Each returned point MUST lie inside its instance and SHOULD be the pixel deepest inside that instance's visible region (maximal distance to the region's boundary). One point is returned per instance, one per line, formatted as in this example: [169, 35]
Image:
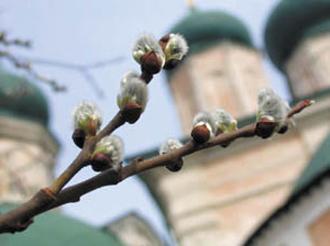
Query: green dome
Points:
[20, 98]
[291, 22]
[54, 229]
[204, 29]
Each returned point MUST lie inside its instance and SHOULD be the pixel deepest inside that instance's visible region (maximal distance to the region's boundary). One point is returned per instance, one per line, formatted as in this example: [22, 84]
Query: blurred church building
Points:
[255, 192]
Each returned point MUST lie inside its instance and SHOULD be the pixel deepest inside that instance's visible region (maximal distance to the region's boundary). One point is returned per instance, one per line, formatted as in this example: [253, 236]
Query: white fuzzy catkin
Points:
[132, 90]
[176, 47]
[112, 146]
[128, 76]
[224, 121]
[85, 112]
[272, 105]
[170, 145]
[147, 43]
[205, 118]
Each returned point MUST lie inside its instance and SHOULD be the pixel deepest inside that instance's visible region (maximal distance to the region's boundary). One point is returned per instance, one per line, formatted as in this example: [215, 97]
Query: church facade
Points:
[222, 196]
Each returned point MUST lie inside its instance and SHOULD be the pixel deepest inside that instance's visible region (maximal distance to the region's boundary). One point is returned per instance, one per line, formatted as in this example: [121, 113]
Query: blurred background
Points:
[100, 34]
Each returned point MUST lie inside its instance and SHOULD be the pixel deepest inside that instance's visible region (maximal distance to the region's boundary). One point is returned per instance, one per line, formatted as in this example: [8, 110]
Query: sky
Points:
[85, 32]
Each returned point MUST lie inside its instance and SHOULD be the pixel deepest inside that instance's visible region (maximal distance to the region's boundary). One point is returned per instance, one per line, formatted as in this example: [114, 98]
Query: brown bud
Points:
[101, 162]
[171, 64]
[283, 129]
[163, 41]
[201, 134]
[175, 166]
[78, 137]
[151, 63]
[265, 128]
[132, 112]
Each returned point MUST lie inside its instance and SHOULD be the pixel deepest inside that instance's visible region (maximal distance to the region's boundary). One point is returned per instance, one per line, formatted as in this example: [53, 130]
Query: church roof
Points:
[22, 99]
[317, 170]
[203, 29]
[53, 229]
[318, 165]
[137, 226]
[291, 22]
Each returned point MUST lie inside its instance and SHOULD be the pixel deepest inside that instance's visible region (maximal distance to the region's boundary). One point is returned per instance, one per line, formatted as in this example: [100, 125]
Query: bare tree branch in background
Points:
[26, 64]
[84, 70]
[4, 40]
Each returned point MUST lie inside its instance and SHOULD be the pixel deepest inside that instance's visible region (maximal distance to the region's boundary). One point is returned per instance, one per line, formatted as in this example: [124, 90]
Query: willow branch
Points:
[113, 177]
[56, 194]
[20, 218]
[44, 200]
[84, 156]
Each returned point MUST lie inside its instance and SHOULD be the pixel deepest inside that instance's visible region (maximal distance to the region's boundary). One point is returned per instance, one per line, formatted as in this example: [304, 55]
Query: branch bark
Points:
[83, 157]
[20, 218]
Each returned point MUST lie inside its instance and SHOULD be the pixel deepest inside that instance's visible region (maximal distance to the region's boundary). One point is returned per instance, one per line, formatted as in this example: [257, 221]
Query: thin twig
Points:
[26, 64]
[67, 65]
[83, 69]
[13, 42]
[83, 157]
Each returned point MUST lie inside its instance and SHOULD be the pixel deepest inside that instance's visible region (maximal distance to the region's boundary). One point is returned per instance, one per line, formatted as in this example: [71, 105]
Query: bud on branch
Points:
[171, 145]
[148, 53]
[109, 152]
[175, 48]
[105, 152]
[204, 127]
[133, 97]
[87, 121]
